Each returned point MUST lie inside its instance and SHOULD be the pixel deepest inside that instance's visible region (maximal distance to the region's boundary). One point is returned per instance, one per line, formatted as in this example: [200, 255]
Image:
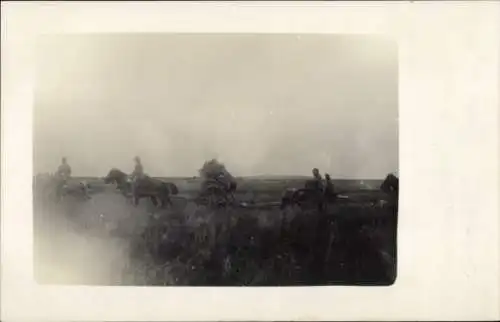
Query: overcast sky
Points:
[262, 104]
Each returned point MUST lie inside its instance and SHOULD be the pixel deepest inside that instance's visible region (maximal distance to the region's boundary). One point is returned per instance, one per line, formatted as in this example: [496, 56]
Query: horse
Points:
[390, 186]
[80, 190]
[121, 179]
[145, 187]
[302, 197]
[56, 187]
[311, 195]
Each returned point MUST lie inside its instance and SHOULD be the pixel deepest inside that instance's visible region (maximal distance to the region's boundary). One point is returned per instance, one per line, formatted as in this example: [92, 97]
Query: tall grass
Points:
[199, 246]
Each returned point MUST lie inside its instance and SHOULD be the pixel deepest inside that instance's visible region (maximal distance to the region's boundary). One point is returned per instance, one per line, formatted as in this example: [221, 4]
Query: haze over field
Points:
[262, 104]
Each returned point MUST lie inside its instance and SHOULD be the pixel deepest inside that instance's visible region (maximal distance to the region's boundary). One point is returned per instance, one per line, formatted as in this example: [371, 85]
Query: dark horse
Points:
[309, 196]
[304, 198]
[145, 187]
[390, 186]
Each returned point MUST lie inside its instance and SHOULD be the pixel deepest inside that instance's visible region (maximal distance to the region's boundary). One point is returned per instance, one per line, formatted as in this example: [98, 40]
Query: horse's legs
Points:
[154, 201]
[161, 202]
[163, 197]
[169, 201]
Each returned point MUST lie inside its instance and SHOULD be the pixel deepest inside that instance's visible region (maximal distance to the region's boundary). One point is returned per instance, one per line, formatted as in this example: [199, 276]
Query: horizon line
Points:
[263, 176]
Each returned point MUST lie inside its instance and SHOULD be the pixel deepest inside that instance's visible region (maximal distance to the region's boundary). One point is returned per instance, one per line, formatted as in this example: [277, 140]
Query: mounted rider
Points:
[318, 180]
[329, 191]
[138, 172]
[63, 171]
[62, 175]
[391, 186]
[224, 179]
[391, 183]
[319, 186]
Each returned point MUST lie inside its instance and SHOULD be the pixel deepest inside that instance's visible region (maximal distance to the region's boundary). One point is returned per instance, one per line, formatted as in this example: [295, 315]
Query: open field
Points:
[260, 184]
[107, 241]
[255, 189]
[164, 109]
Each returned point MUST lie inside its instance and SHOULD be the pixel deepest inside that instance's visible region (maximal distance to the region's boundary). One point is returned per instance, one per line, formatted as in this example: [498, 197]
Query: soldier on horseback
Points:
[319, 187]
[391, 186]
[64, 170]
[62, 175]
[329, 191]
[318, 179]
[138, 169]
[138, 172]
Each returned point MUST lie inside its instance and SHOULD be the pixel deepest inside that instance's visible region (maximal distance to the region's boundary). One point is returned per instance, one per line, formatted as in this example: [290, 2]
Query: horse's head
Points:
[115, 176]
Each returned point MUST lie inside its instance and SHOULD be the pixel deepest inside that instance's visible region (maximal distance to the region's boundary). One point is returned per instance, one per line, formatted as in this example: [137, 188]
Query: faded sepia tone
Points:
[263, 104]
[216, 160]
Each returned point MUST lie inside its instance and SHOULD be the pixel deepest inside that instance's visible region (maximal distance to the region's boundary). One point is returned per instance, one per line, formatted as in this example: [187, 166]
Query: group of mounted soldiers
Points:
[64, 170]
[63, 174]
[325, 186]
[218, 186]
[319, 191]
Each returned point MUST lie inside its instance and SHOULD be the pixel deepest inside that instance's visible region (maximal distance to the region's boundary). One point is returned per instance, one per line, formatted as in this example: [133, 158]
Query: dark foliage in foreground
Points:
[347, 245]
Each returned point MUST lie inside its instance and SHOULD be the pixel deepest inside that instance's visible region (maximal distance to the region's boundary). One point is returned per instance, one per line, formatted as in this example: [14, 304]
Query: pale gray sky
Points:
[263, 104]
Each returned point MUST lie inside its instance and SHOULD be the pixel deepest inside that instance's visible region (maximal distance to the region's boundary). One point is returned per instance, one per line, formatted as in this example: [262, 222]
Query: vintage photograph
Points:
[165, 159]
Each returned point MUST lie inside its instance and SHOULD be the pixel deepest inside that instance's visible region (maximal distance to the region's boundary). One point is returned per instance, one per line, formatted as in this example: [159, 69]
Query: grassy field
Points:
[263, 184]
[192, 245]
[258, 189]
